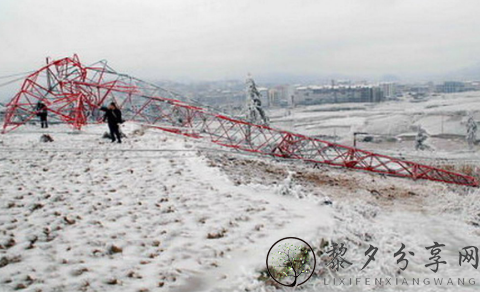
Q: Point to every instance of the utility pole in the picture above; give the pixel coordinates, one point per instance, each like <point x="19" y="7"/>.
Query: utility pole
<point x="355" y="138"/>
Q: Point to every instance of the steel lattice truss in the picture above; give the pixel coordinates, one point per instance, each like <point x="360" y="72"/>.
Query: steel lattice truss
<point x="73" y="94"/>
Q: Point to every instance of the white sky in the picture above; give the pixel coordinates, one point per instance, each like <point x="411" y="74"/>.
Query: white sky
<point x="218" y="39"/>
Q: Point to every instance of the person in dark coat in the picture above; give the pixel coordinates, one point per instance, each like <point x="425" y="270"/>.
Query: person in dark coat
<point x="113" y="116"/>
<point x="42" y="112"/>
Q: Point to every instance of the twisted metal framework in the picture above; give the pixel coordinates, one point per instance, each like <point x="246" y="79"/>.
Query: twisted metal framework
<point x="73" y="94"/>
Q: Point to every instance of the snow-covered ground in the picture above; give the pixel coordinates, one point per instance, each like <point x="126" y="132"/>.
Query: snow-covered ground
<point x="84" y="214"/>
<point x="443" y="117"/>
<point x="167" y="213"/>
<point x="393" y="126"/>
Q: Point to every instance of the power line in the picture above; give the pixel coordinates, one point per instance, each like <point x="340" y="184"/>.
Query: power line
<point x="12" y="81"/>
<point x="17" y="74"/>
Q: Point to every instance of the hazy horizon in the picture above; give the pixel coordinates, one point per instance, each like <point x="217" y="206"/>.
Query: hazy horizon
<point x="218" y="40"/>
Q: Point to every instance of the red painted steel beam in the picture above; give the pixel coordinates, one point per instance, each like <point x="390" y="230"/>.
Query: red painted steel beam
<point x="73" y="94"/>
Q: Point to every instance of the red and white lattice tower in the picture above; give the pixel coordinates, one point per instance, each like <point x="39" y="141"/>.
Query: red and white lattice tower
<point x="73" y="94"/>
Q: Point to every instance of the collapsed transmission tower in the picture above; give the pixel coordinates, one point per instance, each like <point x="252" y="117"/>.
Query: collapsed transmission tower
<point x="73" y="94"/>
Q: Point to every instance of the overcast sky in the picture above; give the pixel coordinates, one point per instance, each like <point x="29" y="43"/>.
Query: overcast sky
<point x="219" y="39"/>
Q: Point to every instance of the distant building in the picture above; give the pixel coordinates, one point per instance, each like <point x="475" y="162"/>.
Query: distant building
<point x="264" y="96"/>
<point x="389" y="89"/>
<point x="472" y="85"/>
<point x="307" y="95"/>
<point x="418" y="90"/>
<point x="280" y="95"/>
<point x="453" y="86"/>
<point x="431" y="87"/>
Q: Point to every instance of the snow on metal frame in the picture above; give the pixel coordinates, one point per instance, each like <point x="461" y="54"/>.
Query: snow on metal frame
<point x="73" y="94"/>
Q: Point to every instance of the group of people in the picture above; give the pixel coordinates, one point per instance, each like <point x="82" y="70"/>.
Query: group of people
<point x="113" y="117"/>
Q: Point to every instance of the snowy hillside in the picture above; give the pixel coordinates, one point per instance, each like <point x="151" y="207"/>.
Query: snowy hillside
<point x="443" y="117"/>
<point x="159" y="210"/>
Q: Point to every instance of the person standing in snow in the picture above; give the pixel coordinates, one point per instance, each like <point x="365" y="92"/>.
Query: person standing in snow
<point x="113" y="116"/>
<point x="42" y="112"/>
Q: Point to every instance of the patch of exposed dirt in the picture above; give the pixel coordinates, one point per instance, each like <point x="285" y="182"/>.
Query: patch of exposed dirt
<point x="338" y="183"/>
